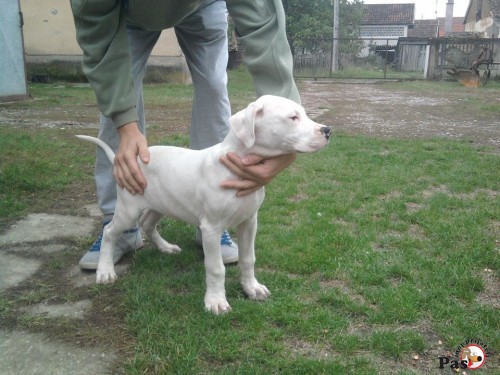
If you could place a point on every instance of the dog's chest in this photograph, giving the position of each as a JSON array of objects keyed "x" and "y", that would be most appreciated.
[{"x": 233, "y": 210}]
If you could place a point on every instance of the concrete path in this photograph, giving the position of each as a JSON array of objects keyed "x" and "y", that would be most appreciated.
[{"x": 24, "y": 249}]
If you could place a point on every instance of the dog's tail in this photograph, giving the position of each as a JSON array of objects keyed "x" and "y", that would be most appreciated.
[{"x": 109, "y": 152}]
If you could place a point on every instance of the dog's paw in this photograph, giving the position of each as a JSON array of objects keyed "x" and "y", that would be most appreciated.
[
  {"x": 217, "y": 305},
  {"x": 256, "y": 291},
  {"x": 166, "y": 247},
  {"x": 105, "y": 276},
  {"x": 169, "y": 248}
]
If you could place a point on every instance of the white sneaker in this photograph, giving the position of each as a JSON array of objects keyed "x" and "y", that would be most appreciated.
[
  {"x": 130, "y": 240},
  {"x": 228, "y": 248}
]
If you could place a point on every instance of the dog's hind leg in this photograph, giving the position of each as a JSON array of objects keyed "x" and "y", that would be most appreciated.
[
  {"x": 246, "y": 247},
  {"x": 148, "y": 221}
]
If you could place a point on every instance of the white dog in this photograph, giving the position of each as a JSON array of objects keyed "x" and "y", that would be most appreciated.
[{"x": 185, "y": 184}]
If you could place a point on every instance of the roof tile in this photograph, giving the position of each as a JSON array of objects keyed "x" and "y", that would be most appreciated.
[
  {"x": 388, "y": 14},
  {"x": 424, "y": 29}
]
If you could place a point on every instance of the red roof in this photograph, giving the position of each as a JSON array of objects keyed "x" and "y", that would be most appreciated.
[{"x": 456, "y": 27}]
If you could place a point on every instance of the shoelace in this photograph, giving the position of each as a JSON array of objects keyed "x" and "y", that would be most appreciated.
[
  {"x": 96, "y": 246},
  {"x": 226, "y": 239}
]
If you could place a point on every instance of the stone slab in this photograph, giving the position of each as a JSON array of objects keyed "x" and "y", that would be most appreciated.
[
  {"x": 15, "y": 270},
  {"x": 34, "y": 248},
  {"x": 35, "y": 354},
  {"x": 71, "y": 310},
  {"x": 44, "y": 227}
]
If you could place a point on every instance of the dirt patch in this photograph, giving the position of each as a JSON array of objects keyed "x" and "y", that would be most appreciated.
[
  {"x": 376, "y": 110},
  {"x": 371, "y": 109},
  {"x": 173, "y": 118},
  {"x": 491, "y": 293},
  {"x": 344, "y": 288}
]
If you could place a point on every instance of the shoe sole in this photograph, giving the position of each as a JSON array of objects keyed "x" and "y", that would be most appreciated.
[{"x": 93, "y": 266}]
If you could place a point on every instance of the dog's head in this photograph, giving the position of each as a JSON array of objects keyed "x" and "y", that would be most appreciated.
[{"x": 273, "y": 125}]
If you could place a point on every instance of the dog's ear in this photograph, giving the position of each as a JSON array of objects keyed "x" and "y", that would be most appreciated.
[{"x": 243, "y": 123}]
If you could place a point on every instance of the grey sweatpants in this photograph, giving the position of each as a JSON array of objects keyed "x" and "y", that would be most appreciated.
[{"x": 202, "y": 37}]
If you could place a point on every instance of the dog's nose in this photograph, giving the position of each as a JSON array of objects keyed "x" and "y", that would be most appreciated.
[{"x": 326, "y": 131}]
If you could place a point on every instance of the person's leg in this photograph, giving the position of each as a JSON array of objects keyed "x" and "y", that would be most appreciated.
[
  {"x": 141, "y": 43},
  {"x": 261, "y": 28},
  {"x": 203, "y": 39}
]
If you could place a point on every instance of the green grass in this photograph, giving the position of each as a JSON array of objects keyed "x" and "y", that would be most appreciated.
[
  {"x": 371, "y": 248},
  {"x": 34, "y": 168},
  {"x": 47, "y": 96},
  {"x": 374, "y": 250},
  {"x": 361, "y": 73}
]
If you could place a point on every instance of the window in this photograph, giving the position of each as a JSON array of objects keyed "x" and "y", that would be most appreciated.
[
  {"x": 382, "y": 31},
  {"x": 479, "y": 10}
]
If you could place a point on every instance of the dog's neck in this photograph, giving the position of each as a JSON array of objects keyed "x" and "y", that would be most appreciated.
[{"x": 233, "y": 144}]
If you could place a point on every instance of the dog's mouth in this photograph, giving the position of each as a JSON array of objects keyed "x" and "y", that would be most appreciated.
[
  {"x": 326, "y": 131},
  {"x": 312, "y": 147}
]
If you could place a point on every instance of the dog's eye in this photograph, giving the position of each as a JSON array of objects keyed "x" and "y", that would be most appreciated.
[{"x": 294, "y": 118}]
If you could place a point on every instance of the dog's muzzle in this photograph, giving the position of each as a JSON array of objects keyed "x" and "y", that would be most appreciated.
[{"x": 326, "y": 131}]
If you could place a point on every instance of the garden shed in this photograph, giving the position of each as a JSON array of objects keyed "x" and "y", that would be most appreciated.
[
  {"x": 412, "y": 54},
  {"x": 413, "y": 51}
]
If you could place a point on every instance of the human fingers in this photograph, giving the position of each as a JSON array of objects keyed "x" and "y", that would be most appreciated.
[
  {"x": 261, "y": 169},
  {"x": 233, "y": 162},
  {"x": 243, "y": 187},
  {"x": 250, "y": 159},
  {"x": 127, "y": 173},
  {"x": 126, "y": 167},
  {"x": 258, "y": 172}
]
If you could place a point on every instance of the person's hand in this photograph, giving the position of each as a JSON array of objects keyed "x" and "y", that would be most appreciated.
[
  {"x": 126, "y": 168},
  {"x": 253, "y": 170}
]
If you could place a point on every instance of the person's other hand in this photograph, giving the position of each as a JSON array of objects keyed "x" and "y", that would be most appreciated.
[
  {"x": 253, "y": 170},
  {"x": 126, "y": 169}
]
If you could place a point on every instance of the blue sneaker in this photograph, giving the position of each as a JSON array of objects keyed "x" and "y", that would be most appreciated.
[
  {"x": 129, "y": 241},
  {"x": 228, "y": 248}
]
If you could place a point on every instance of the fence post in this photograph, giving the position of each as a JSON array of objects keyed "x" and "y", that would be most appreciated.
[
  {"x": 433, "y": 58},
  {"x": 335, "y": 47},
  {"x": 386, "y": 52}
]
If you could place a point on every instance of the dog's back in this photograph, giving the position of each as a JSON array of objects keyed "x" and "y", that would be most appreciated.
[{"x": 185, "y": 184}]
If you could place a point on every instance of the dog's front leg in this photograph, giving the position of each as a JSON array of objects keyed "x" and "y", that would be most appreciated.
[
  {"x": 215, "y": 295},
  {"x": 105, "y": 272},
  {"x": 246, "y": 245}
]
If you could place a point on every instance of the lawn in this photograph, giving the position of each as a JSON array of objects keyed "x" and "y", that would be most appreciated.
[
  {"x": 381, "y": 254},
  {"x": 370, "y": 248}
]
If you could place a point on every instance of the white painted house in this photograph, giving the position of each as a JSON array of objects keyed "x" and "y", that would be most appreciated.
[
  {"x": 50, "y": 38},
  {"x": 386, "y": 21},
  {"x": 382, "y": 25}
]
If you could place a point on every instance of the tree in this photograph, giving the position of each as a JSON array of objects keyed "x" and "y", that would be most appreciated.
[{"x": 310, "y": 24}]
